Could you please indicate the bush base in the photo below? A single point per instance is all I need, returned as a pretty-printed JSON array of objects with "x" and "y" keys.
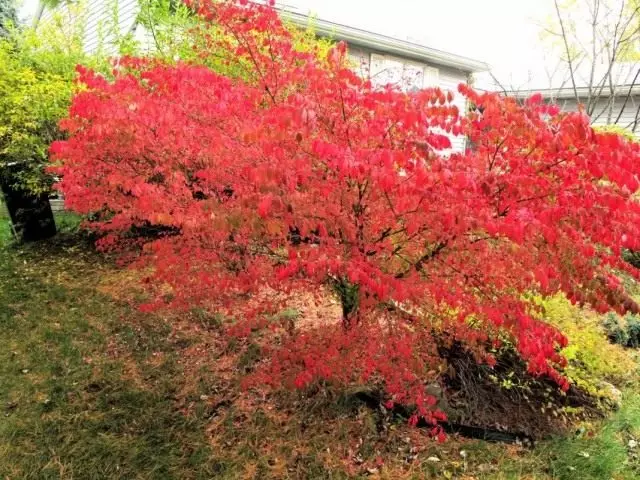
[{"x": 30, "y": 214}]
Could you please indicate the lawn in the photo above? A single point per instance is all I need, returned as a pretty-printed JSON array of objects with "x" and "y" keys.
[
  {"x": 72, "y": 406},
  {"x": 91, "y": 388}
]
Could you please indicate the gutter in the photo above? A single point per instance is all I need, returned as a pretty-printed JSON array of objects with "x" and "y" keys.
[
  {"x": 568, "y": 93},
  {"x": 383, "y": 43}
]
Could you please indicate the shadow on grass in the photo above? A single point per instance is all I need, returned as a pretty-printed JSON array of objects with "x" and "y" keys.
[{"x": 70, "y": 409}]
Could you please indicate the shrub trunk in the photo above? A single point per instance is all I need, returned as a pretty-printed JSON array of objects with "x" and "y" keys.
[{"x": 30, "y": 214}]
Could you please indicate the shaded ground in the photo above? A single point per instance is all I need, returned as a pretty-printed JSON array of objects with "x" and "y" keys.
[
  {"x": 505, "y": 398},
  {"x": 90, "y": 388}
]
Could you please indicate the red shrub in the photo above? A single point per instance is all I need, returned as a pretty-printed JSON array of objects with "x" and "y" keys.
[{"x": 301, "y": 174}]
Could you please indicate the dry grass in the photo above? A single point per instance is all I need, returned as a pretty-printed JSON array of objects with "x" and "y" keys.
[{"x": 112, "y": 393}]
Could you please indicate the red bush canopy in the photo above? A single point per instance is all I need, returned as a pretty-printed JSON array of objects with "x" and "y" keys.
[{"x": 300, "y": 174}]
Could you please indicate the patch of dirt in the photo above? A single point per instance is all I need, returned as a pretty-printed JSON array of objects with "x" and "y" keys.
[
  {"x": 322, "y": 308},
  {"x": 123, "y": 285},
  {"x": 507, "y": 398}
]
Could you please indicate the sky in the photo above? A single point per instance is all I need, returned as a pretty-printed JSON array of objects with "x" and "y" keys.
[
  {"x": 503, "y": 33},
  {"x": 27, "y": 9}
]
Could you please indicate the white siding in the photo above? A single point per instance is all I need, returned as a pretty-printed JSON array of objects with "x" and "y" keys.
[
  {"x": 107, "y": 21},
  {"x": 145, "y": 40},
  {"x": 383, "y": 69},
  {"x": 104, "y": 22},
  {"x": 361, "y": 59},
  {"x": 604, "y": 115},
  {"x": 449, "y": 80}
]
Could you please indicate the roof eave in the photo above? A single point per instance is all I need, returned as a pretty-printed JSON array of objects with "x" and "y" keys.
[
  {"x": 383, "y": 43},
  {"x": 568, "y": 93}
]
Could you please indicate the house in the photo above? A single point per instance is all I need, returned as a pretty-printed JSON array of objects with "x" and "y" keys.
[
  {"x": 391, "y": 60},
  {"x": 99, "y": 21},
  {"x": 612, "y": 99},
  {"x": 385, "y": 59}
]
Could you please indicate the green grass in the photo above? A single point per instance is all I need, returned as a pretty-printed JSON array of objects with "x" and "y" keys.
[
  {"x": 606, "y": 454},
  {"x": 92, "y": 389},
  {"x": 595, "y": 452},
  {"x": 66, "y": 222},
  {"x": 5, "y": 231},
  {"x": 69, "y": 408}
]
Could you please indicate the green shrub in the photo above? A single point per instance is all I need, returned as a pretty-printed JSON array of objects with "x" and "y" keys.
[
  {"x": 615, "y": 331},
  {"x": 633, "y": 330},
  {"x": 623, "y": 331},
  {"x": 37, "y": 69},
  {"x": 631, "y": 257},
  {"x": 591, "y": 357}
]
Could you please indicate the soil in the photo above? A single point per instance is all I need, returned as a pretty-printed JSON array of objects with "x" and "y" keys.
[{"x": 508, "y": 399}]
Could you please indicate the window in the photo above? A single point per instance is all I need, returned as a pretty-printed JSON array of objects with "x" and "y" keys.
[{"x": 407, "y": 75}]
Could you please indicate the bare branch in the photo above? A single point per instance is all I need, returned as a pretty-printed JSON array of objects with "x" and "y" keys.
[
  {"x": 499, "y": 84},
  {"x": 626, "y": 98},
  {"x": 594, "y": 34},
  {"x": 567, "y": 49},
  {"x": 634, "y": 125}
]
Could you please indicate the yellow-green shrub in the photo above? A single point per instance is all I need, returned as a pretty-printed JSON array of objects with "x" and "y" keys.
[
  {"x": 37, "y": 68},
  {"x": 591, "y": 358},
  {"x": 617, "y": 129}
]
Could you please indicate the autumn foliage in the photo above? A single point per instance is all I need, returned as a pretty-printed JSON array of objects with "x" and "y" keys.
[{"x": 299, "y": 176}]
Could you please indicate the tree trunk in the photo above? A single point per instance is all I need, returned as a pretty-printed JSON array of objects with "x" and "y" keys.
[
  {"x": 38, "y": 15},
  {"x": 30, "y": 214}
]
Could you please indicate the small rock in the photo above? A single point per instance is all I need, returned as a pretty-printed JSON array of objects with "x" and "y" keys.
[
  {"x": 410, "y": 458},
  {"x": 25, "y": 370},
  {"x": 435, "y": 390},
  {"x": 433, "y": 459},
  {"x": 614, "y": 394},
  {"x": 632, "y": 443}
]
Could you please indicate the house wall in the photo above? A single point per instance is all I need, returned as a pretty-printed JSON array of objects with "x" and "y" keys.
[
  {"x": 601, "y": 115},
  {"x": 104, "y": 21},
  {"x": 447, "y": 78},
  {"x": 107, "y": 19}
]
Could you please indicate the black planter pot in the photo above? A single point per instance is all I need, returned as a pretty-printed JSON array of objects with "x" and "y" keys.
[{"x": 30, "y": 214}]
